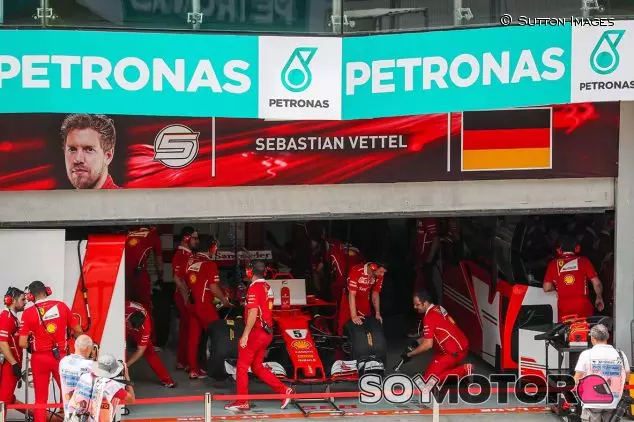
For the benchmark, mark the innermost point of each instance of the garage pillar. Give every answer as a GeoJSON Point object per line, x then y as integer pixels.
{"type": "Point", "coordinates": [624, 248]}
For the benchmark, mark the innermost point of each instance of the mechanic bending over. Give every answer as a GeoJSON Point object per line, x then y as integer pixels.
{"type": "Point", "coordinates": [607, 362]}
{"type": "Point", "coordinates": [569, 273]}
{"type": "Point", "coordinates": [364, 281]}
{"type": "Point", "coordinates": [258, 333]}
{"type": "Point", "coordinates": [203, 280]}
{"type": "Point", "coordinates": [138, 327]}
{"type": "Point", "coordinates": [441, 333]}
{"type": "Point", "coordinates": [11, 369]}
{"type": "Point", "coordinates": [189, 242]}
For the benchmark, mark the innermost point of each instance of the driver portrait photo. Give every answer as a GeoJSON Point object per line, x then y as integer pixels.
{"type": "Point", "coordinates": [89, 141]}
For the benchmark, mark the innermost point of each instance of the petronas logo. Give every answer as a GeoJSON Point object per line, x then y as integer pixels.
{"type": "Point", "coordinates": [605, 56]}
{"type": "Point", "coordinates": [296, 74]}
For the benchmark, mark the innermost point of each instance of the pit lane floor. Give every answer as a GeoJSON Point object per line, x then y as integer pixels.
{"type": "Point", "coordinates": [147, 386]}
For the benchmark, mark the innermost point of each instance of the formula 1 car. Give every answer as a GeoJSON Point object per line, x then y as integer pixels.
{"type": "Point", "coordinates": [303, 350]}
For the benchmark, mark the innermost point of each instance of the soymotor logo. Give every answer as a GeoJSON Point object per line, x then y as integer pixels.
{"type": "Point", "coordinates": [296, 75]}
{"type": "Point", "coordinates": [478, 389]}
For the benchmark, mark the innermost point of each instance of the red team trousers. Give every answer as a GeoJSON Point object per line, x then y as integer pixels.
{"type": "Point", "coordinates": [253, 356]}
{"type": "Point", "coordinates": [8, 382]}
{"type": "Point", "coordinates": [183, 328]}
{"type": "Point", "coordinates": [155, 362]}
{"type": "Point", "coordinates": [443, 365]}
{"type": "Point", "coordinates": [200, 316]}
{"type": "Point", "coordinates": [43, 365]}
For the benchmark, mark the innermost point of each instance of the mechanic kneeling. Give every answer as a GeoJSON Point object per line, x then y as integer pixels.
{"type": "Point", "coordinates": [441, 333]}
{"type": "Point", "coordinates": [568, 274]}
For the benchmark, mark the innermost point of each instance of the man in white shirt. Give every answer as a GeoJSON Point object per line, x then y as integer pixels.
{"type": "Point", "coordinates": [608, 363]}
{"type": "Point", "coordinates": [72, 367]}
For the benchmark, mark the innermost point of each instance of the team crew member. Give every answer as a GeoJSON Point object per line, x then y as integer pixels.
{"type": "Point", "coordinates": [180, 262]}
{"type": "Point", "coordinates": [204, 283]}
{"type": "Point", "coordinates": [140, 243]}
{"type": "Point", "coordinates": [11, 369]}
{"type": "Point", "coordinates": [426, 245]}
{"type": "Point", "coordinates": [44, 330]}
{"type": "Point", "coordinates": [100, 392]}
{"type": "Point", "coordinates": [258, 333]}
{"type": "Point", "coordinates": [73, 366]}
{"type": "Point", "coordinates": [139, 328]}
{"type": "Point", "coordinates": [569, 274]}
{"type": "Point", "coordinates": [441, 333]}
{"type": "Point", "coordinates": [342, 258]}
{"type": "Point", "coordinates": [365, 282]}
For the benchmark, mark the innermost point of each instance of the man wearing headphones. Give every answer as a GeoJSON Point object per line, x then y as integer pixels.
{"type": "Point", "coordinates": [44, 331]}
{"type": "Point", "coordinates": [365, 282]}
{"type": "Point", "coordinates": [258, 333]}
{"type": "Point", "coordinates": [203, 280]}
{"type": "Point", "coordinates": [569, 273]}
{"type": "Point", "coordinates": [11, 369]}
{"type": "Point", "coordinates": [180, 262]}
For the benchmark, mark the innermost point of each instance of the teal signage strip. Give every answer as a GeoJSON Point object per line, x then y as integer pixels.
{"type": "Point", "coordinates": [459, 70]}
{"type": "Point", "coordinates": [295, 78]}
{"type": "Point", "coordinates": [128, 73]}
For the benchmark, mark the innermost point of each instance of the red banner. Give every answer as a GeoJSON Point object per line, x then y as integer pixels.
{"type": "Point", "coordinates": [54, 151]}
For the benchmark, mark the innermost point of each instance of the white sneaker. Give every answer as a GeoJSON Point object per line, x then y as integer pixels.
{"type": "Point", "coordinates": [287, 400]}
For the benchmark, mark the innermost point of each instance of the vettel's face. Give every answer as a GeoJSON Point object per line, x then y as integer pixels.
{"type": "Point", "coordinates": [86, 162]}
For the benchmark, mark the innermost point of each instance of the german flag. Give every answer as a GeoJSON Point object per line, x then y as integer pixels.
{"type": "Point", "coordinates": [507, 139]}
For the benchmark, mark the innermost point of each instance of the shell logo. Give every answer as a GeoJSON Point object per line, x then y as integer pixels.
{"type": "Point", "coordinates": [300, 345]}
{"type": "Point", "coordinates": [192, 278]}
{"type": "Point", "coordinates": [133, 242]}
{"type": "Point", "coordinates": [569, 279]}
{"type": "Point", "coordinates": [51, 328]}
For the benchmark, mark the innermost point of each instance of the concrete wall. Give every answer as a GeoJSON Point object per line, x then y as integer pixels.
{"type": "Point", "coordinates": [624, 264]}
{"type": "Point", "coordinates": [303, 202]}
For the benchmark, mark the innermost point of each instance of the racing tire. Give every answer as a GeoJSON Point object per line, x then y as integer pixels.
{"type": "Point", "coordinates": [367, 340]}
{"type": "Point", "coordinates": [223, 344]}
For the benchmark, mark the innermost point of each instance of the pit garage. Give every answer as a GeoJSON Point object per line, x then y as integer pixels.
{"type": "Point", "coordinates": [486, 220]}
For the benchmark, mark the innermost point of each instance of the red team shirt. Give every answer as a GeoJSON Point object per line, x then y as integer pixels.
{"type": "Point", "coordinates": [56, 320]}
{"type": "Point", "coordinates": [361, 282]}
{"type": "Point", "coordinates": [138, 246]}
{"type": "Point", "coordinates": [570, 274]}
{"type": "Point", "coordinates": [342, 261]}
{"type": "Point", "coordinates": [260, 296]}
{"type": "Point", "coordinates": [442, 329]}
{"type": "Point", "coordinates": [142, 335]}
{"type": "Point", "coordinates": [180, 262]}
{"type": "Point", "coordinates": [202, 273]}
{"type": "Point", "coordinates": [9, 325]}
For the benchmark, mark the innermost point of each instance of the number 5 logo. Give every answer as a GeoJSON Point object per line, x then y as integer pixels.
{"type": "Point", "coordinates": [176, 146]}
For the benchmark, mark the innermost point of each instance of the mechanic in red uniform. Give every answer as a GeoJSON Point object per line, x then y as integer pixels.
{"type": "Point", "coordinates": [11, 369]}
{"type": "Point", "coordinates": [426, 245]}
{"type": "Point", "coordinates": [139, 244]}
{"type": "Point", "coordinates": [180, 262]}
{"type": "Point", "coordinates": [340, 258]}
{"type": "Point", "coordinates": [203, 280]}
{"type": "Point", "coordinates": [44, 330]}
{"type": "Point", "coordinates": [569, 274]}
{"type": "Point", "coordinates": [363, 292]}
{"type": "Point", "coordinates": [139, 328]}
{"type": "Point", "coordinates": [258, 333]}
{"type": "Point", "coordinates": [441, 333]}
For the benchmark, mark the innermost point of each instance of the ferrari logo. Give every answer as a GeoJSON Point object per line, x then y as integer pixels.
{"type": "Point", "coordinates": [560, 263]}
{"type": "Point", "coordinates": [300, 345]}
{"type": "Point", "coordinates": [133, 242]}
{"type": "Point", "coordinates": [42, 311]}
{"type": "Point", "coordinates": [192, 278]}
{"type": "Point", "coordinates": [569, 279]}
{"type": "Point", "coordinates": [51, 328]}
